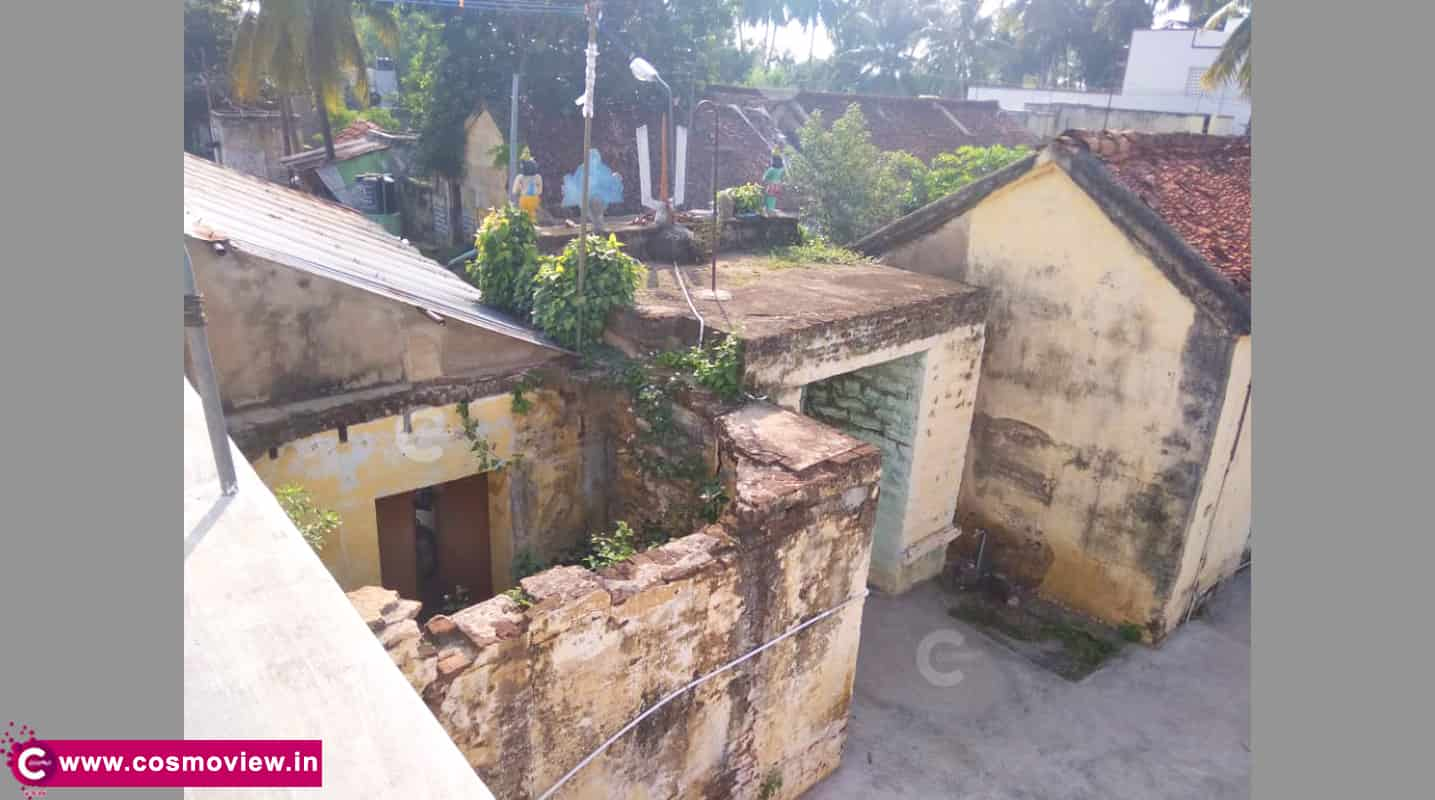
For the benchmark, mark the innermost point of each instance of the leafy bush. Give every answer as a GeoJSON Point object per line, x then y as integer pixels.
{"type": "Point", "coordinates": [314, 524]}
{"type": "Point", "coordinates": [519, 596]}
{"type": "Point", "coordinates": [815, 249]}
{"type": "Point", "coordinates": [715, 367]}
{"type": "Point", "coordinates": [612, 548]}
{"type": "Point", "coordinates": [849, 187]}
{"type": "Point", "coordinates": [714, 499]}
{"type": "Point", "coordinates": [951, 171]}
{"type": "Point", "coordinates": [612, 279]}
{"type": "Point", "coordinates": [746, 199]}
{"type": "Point", "coordinates": [506, 262]}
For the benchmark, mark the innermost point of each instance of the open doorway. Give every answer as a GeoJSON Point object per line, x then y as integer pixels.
{"type": "Point", "coordinates": [878, 405]}
{"type": "Point", "coordinates": [435, 545]}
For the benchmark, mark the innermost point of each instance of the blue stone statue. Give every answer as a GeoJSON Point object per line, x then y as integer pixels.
{"type": "Point", "coordinates": [605, 187]}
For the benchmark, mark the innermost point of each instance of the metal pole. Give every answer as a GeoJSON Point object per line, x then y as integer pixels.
{"type": "Point", "coordinates": [672, 118]}
{"type": "Point", "coordinates": [717, 224]}
{"type": "Point", "coordinates": [591, 9]}
{"type": "Point", "coordinates": [208, 387]}
{"type": "Point", "coordinates": [513, 137]}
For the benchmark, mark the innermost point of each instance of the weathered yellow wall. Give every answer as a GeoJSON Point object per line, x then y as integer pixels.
{"type": "Point", "coordinates": [527, 692]}
{"type": "Point", "coordinates": [279, 335]}
{"type": "Point", "coordinates": [1221, 527]}
{"type": "Point", "coordinates": [1099, 391]}
{"type": "Point", "coordinates": [536, 503]}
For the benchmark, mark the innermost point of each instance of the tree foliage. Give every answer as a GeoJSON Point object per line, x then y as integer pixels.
{"type": "Point", "coordinates": [849, 187]}
{"type": "Point", "coordinates": [951, 171]}
{"type": "Point", "coordinates": [478, 54]}
{"type": "Point", "coordinates": [315, 524]}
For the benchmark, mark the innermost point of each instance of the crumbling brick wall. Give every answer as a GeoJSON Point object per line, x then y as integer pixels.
{"type": "Point", "coordinates": [527, 692]}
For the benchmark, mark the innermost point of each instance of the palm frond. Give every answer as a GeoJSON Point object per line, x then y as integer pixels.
{"type": "Point", "coordinates": [1218, 17]}
{"type": "Point", "coordinates": [1233, 63]}
{"type": "Point", "coordinates": [244, 69]}
{"type": "Point", "coordinates": [350, 55]}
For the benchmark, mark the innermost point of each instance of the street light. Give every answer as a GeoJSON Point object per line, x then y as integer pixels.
{"type": "Point", "coordinates": [647, 73]}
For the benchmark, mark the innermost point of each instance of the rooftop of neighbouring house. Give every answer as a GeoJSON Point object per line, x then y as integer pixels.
{"type": "Point", "coordinates": [361, 137]}
{"type": "Point", "coordinates": [325, 239]}
{"type": "Point", "coordinates": [923, 126]}
{"type": "Point", "coordinates": [772, 300]}
{"type": "Point", "coordinates": [1199, 185]}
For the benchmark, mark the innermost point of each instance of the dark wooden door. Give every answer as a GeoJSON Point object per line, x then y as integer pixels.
{"type": "Point", "coordinates": [398, 565]}
{"type": "Point", "coordinates": [464, 550]}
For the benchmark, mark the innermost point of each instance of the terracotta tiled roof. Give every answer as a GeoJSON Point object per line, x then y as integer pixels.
{"type": "Point", "coordinates": [923, 126]}
{"type": "Point", "coordinates": [358, 129]}
{"type": "Point", "coordinates": [1199, 185]}
{"type": "Point", "coordinates": [913, 124]}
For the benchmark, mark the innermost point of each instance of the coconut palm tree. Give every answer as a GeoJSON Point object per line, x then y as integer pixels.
{"type": "Point", "coordinates": [961, 46]}
{"type": "Point", "coordinates": [1233, 63]}
{"type": "Point", "coordinates": [877, 43]}
{"type": "Point", "coordinates": [306, 46]}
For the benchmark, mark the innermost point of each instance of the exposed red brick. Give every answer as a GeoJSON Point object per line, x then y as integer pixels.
{"type": "Point", "coordinates": [1199, 185]}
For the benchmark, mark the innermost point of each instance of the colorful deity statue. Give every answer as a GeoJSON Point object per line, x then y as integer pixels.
{"type": "Point", "coordinates": [528, 187]}
{"type": "Point", "coordinates": [772, 184]}
{"type": "Point", "coordinates": [605, 188]}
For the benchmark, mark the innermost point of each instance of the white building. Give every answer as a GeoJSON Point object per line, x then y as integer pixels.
{"type": "Point", "coordinates": [384, 80]}
{"type": "Point", "coordinates": [1163, 74]}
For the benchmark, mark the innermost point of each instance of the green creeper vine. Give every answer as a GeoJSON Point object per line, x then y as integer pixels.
{"type": "Point", "coordinates": [483, 450]}
{"type": "Point", "coordinates": [521, 404]}
{"type": "Point", "coordinates": [717, 368]}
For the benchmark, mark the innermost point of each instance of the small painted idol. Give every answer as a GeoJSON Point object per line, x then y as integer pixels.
{"type": "Point", "coordinates": [772, 185]}
{"type": "Point", "coordinates": [528, 187]}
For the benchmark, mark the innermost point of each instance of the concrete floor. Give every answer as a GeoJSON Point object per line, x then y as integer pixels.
{"type": "Point", "coordinates": [1167, 723]}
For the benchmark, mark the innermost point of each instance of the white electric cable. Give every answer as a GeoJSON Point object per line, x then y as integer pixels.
{"type": "Point", "coordinates": [725, 667]}
{"type": "Point", "coordinates": [681, 285]}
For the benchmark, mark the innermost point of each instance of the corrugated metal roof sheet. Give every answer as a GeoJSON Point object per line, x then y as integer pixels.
{"type": "Point", "coordinates": [329, 240]}
{"type": "Point", "coordinates": [343, 151]}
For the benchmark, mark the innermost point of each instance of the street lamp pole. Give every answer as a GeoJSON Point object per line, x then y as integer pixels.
{"type": "Point", "coordinates": [647, 73]}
